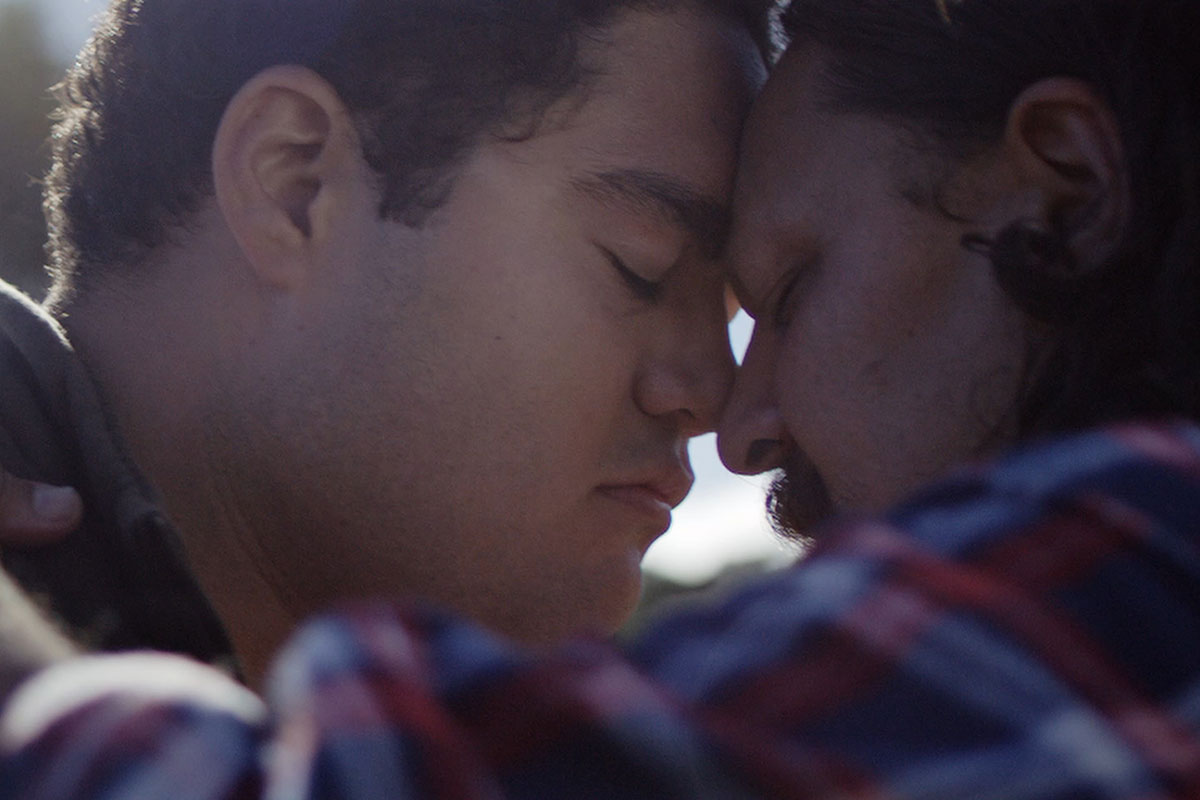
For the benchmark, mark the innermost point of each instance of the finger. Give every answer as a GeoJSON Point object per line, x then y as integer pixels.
{"type": "Point", "coordinates": [34, 513]}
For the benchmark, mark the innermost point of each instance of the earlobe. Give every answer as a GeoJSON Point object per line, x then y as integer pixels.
{"type": "Point", "coordinates": [1068, 143]}
{"type": "Point", "coordinates": [284, 142]}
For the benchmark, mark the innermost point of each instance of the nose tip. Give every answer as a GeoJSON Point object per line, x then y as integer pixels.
{"type": "Point", "coordinates": [712, 389]}
{"type": "Point", "coordinates": [751, 436]}
{"type": "Point", "coordinates": [764, 454]}
{"type": "Point", "coordinates": [689, 394]}
{"type": "Point", "coordinates": [744, 453]}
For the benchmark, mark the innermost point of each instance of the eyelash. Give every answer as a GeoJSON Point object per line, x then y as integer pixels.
{"type": "Point", "coordinates": [647, 290]}
{"type": "Point", "coordinates": [782, 311]}
{"type": "Point", "coordinates": [779, 313]}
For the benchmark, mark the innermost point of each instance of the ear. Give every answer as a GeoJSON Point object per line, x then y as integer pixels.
{"type": "Point", "coordinates": [284, 158]}
{"type": "Point", "coordinates": [1067, 145]}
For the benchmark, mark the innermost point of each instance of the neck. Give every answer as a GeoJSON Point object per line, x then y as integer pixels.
{"type": "Point", "coordinates": [155, 354]}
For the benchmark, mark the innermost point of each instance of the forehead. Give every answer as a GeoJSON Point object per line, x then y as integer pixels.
{"type": "Point", "coordinates": [807, 173]}
{"type": "Point", "coordinates": [669, 97]}
{"type": "Point", "coordinates": [793, 151]}
{"type": "Point", "coordinates": [799, 149]}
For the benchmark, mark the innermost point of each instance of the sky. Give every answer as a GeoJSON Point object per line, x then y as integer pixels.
{"type": "Point", "coordinates": [68, 23]}
{"type": "Point", "coordinates": [721, 522]}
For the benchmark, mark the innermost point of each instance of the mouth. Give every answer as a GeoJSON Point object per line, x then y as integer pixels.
{"type": "Point", "coordinates": [652, 499]}
{"type": "Point", "coordinates": [643, 502]}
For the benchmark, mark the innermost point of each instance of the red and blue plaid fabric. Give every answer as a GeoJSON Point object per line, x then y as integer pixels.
{"type": "Point", "coordinates": [1028, 629]}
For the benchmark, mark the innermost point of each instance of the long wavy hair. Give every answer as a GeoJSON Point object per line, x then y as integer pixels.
{"type": "Point", "coordinates": [951, 69]}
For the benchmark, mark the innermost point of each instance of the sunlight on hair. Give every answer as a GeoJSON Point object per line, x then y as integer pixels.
{"type": "Point", "coordinates": [944, 7]}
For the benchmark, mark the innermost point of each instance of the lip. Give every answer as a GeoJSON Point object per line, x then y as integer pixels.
{"type": "Point", "coordinates": [653, 498]}
{"type": "Point", "coordinates": [644, 502]}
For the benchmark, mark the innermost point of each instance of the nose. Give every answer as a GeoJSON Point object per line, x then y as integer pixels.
{"type": "Point", "coordinates": [751, 437]}
{"type": "Point", "coordinates": [688, 380]}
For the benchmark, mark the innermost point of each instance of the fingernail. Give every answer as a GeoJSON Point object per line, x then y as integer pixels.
{"type": "Point", "coordinates": [53, 502]}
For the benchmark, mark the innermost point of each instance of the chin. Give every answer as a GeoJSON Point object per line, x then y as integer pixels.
{"type": "Point", "coordinates": [597, 613]}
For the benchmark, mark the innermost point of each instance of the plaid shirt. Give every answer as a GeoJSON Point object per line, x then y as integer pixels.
{"type": "Point", "coordinates": [1029, 629]}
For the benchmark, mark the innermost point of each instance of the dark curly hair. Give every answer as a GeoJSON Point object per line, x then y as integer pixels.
{"type": "Point", "coordinates": [424, 80]}
{"type": "Point", "coordinates": [951, 70]}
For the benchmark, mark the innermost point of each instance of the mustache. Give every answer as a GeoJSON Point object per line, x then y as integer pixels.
{"type": "Point", "coordinates": [797, 501]}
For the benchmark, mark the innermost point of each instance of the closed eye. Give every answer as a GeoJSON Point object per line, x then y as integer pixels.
{"type": "Point", "coordinates": [785, 300]}
{"type": "Point", "coordinates": [779, 312]}
{"type": "Point", "coordinates": [646, 289]}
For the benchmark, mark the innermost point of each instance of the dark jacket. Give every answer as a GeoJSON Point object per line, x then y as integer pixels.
{"type": "Point", "coordinates": [121, 580]}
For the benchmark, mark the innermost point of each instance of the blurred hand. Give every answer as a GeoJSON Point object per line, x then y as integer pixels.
{"type": "Point", "coordinates": [33, 514]}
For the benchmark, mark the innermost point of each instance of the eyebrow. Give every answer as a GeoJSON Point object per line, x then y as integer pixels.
{"type": "Point", "coordinates": [665, 197]}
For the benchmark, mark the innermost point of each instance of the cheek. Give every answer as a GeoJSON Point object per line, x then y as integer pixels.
{"type": "Point", "coordinates": [841, 345]}
{"type": "Point", "coordinates": [905, 309]}
{"type": "Point", "coordinates": [992, 364]}
{"type": "Point", "coordinates": [898, 368]}
{"type": "Point", "coordinates": [814, 384]}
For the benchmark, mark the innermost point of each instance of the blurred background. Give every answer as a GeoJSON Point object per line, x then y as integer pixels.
{"type": "Point", "coordinates": [719, 533]}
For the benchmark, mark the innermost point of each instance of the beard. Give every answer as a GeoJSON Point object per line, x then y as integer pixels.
{"type": "Point", "coordinates": [797, 501]}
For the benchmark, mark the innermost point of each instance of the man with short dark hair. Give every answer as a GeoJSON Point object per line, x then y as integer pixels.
{"type": "Point", "coordinates": [388, 297]}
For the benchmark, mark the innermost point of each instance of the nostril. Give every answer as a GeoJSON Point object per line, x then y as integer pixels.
{"type": "Point", "coordinates": [761, 453]}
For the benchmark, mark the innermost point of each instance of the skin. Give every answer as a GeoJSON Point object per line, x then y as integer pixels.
{"type": "Point", "coordinates": [33, 514]}
{"type": "Point", "coordinates": [487, 411]}
{"type": "Point", "coordinates": [884, 351]}
{"type": "Point", "coordinates": [902, 353]}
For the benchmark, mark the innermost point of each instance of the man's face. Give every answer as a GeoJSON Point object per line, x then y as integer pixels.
{"type": "Point", "coordinates": [496, 405]}
{"type": "Point", "coordinates": [883, 351]}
